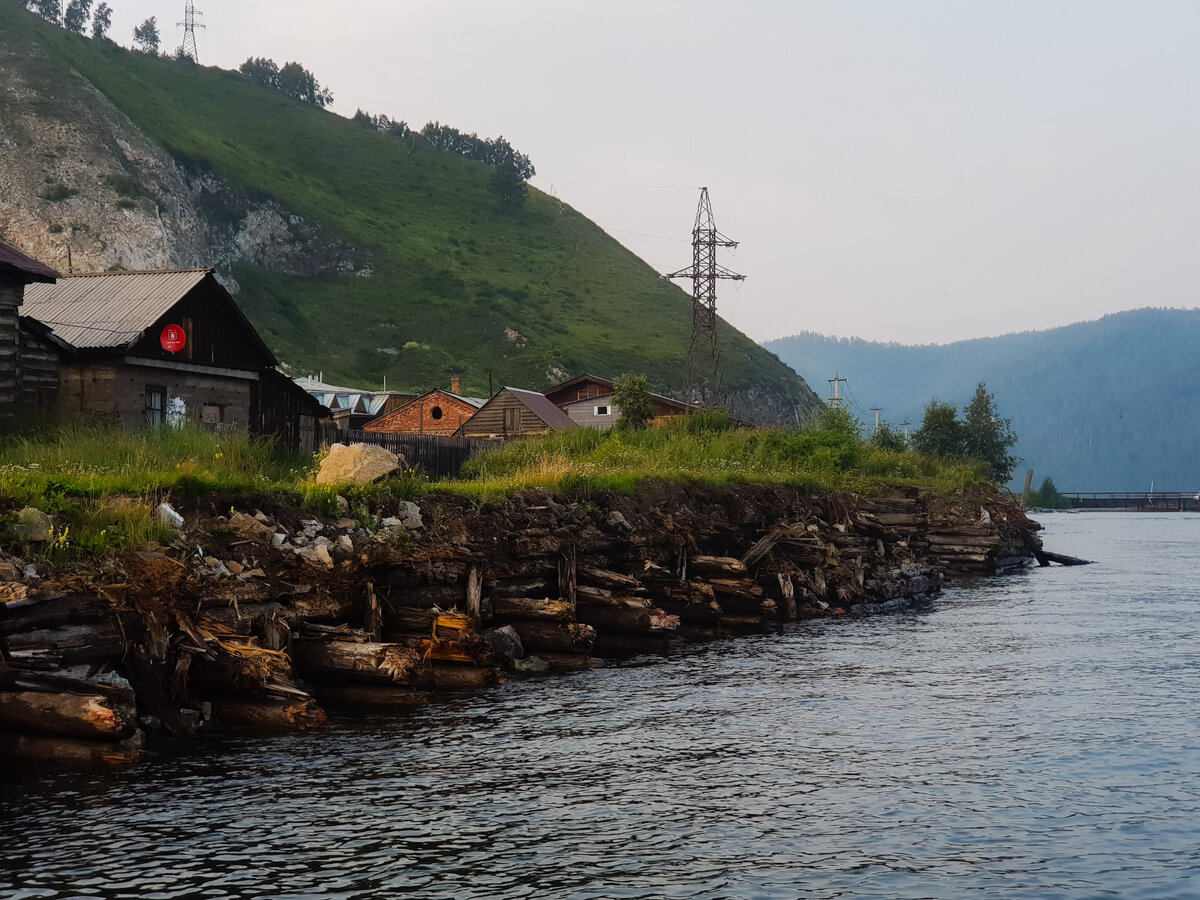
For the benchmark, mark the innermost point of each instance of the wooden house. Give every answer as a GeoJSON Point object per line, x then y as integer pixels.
{"type": "Point", "coordinates": [28, 380]}
{"type": "Point", "coordinates": [166, 347]}
{"type": "Point", "coordinates": [435, 412]}
{"type": "Point", "coordinates": [515, 413]}
{"type": "Point", "coordinates": [587, 400]}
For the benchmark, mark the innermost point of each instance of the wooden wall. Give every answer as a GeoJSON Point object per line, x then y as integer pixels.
{"type": "Point", "coordinates": [38, 375]}
{"type": "Point", "coordinates": [118, 389]}
{"type": "Point", "coordinates": [504, 416]}
{"type": "Point", "coordinates": [10, 349]}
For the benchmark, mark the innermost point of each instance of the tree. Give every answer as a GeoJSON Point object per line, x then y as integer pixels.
{"type": "Point", "coordinates": [888, 438]}
{"type": "Point", "coordinates": [296, 81]}
{"type": "Point", "coordinates": [1048, 497]}
{"type": "Point", "coordinates": [47, 9]}
{"type": "Point", "coordinates": [262, 70]}
{"type": "Point", "coordinates": [146, 35]}
{"type": "Point", "coordinates": [941, 433]}
{"type": "Point", "coordinates": [76, 16]}
{"type": "Point", "coordinates": [987, 436]}
{"type": "Point", "coordinates": [509, 187]}
{"type": "Point", "coordinates": [101, 21]}
{"type": "Point", "coordinates": [631, 395]}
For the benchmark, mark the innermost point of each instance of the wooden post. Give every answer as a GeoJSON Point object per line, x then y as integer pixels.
{"type": "Point", "coordinates": [474, 592]}
{"type": "Point", "coordinates": [1028, 485]}
{"type": "Point", "coordinates": [373, 624]}
{"type": "Point", "coordinates": [567, 576]}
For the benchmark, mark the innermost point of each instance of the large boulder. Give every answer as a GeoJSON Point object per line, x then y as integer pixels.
{"type": "Point", "coordinates": [358, 463]}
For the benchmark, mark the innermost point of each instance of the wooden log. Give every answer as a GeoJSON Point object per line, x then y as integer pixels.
{"type": "Point", "coordinates": [555, 637]}
{"type": "Point", "coordinates": [568, 662]}
{"type": "Point", "coordinates": [520, 587]}
{"type": "Point", "coordinates": [472, 650]}
{"type": "Point", "coordinates": [1063, 560]}
{"type": "Point", "coordinates": [71, 751]}
{"type": "Point", "coordinates": [455, 678]}
{"type": "Point", "coordinates": [529, 608]}
{"type": "Point", "coordinates": [86, 716]}
{"type": "Point", "coordinates": [62, 637]}
{"type": "Point", "coordinates": [410, 620]}
{"type": "Point", "coordinates": [736, 623]}
{"type": "Point", "coordinates": [443, 596]}
{"type": "Point", "coordinates": [615, 618]}
{"type": "Point", "coordinates": [585, 596]}
{"type": "Point", "coordinates": [52, 612]}
{"type": "Point", "coordinates": [746, 588]}
{"type": "Point", "coordinates": [617, 643]}
{"type": "Point", "coordinates": [365, 661]}
{"type": "Point", "coordinates": [267, 715]}
{"type": "Point", "coordinates": [613, 581]}
{"type": "Point", "coordinates": [716, 565]}
{"type": "Point", "coordinates": [374, 695]}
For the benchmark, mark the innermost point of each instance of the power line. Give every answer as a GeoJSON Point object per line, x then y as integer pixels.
{"type": "Point", "coordinates": [654, 187]}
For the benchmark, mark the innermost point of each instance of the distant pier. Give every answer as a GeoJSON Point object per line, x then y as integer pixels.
{"type": "Point", "coordinates": [1136, 501]}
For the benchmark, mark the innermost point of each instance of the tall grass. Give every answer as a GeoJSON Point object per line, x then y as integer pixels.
{"type": "Point", "coordinates": [815, 457]}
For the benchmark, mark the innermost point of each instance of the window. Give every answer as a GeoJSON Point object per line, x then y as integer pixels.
{"type": "Point", "coordinates": [212, 414]}
{"type": "Point", "coordinates": [435, 413]}
{"type": "Point", "coordinates": [156, 405]}
{"type": "Point", "coordinates": [603, 411]}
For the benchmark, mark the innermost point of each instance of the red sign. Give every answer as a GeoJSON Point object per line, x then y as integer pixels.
{"type": "Point", "coordinates": [173, 338]}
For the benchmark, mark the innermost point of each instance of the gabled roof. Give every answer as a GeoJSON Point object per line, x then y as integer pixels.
{"type": "Point", "coordinates": [540, 406]}
{"type": "Point", "coordinates": [16, 266]}
{"type": "Point", "coordinates": [578, 379]}
{"type": "Point", "coordinates": [108, 310]}
{"type": "Point", "coordinates": [606, 383]}
{"type": "Point", "coordinates": [357, 400]}
{"type": "Point", "coordinates": [473, 402]}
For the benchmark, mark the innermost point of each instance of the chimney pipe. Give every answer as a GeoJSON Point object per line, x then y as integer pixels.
{"type": "Point", "coordinates": [455, 385]}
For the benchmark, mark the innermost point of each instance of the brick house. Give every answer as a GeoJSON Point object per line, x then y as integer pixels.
{"type": "Point", "coordinates": [435, 412]}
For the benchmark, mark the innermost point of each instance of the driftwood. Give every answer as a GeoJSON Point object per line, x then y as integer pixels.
{"type": "Point", "coordinates": [529, 608]}
{"type": "Point", "coordinates": [437, 677]}
{"type": "Point", "coordinates": [262, 714]}
{"type": "Point", "coordinates": [354, 661]}
{"type": "Point", "coordinates": [716, 565]}
{"type": "Point", "coordinates": [555, 637]}
{"type": "Point", "coordinates": [70, 751]}
{"type": "Point", "coordinates": [627, 618]}
{"type": "Point", "coordinates": [52, 612]}
{"type": "Point", "coordinates": [370, 695]}
{"type": "Point", "coordinates": [568, 662]}
{"type": "Point", "coordinates": [590, 596]}
{"type": "Point", "coordinates": [87, 716]}
{"type": "Point", "coordinates": [613, 581]}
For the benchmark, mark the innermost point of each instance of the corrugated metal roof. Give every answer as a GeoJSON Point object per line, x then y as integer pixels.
{"type": "Point", "coordinates": [540, 406]}
{"type": "Point", "coordinates": [13, 260]}
{"type": "Point", "coordinates": [107, 309]}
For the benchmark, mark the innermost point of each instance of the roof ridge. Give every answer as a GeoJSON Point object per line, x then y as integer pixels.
{"type": "Point", "coordinates": [136, 272]}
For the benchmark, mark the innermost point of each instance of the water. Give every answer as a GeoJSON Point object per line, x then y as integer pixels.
{"type": "Point", "coordinates": [1034, 736]}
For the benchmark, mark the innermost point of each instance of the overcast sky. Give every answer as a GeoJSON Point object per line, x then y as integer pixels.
{"type": "Point", "coordinates": [909, 171]}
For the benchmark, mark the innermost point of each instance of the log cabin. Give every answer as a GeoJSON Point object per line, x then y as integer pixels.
{"type": "Point", "coordinates": [515, 413]}
{"type": "Point", "coordinates": [164, 347]}
{"type": "Point", "coordinates": [27, 359]}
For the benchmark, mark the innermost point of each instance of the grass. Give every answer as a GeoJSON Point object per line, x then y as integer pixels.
{"type": "Point", "coordinates": [452, 272]}
{"type": "Point", "coordinates": [101, 484]}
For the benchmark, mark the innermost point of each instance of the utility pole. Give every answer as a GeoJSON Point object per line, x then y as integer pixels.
{"type": "Point", "coordinates": [189, 30]}
{"type": "Point", "coordinates": [704, 358]}
{"type": "Point", "coordinates": [835, 401]}
{"type": "Point", "coordinates": [877, 410]}
{"type": "Point", "coordinates": [905, 424]}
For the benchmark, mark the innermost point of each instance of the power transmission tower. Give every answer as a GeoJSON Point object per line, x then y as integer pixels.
{"type": "Point", "coordinates": [190, 25]}
{"type": "Point", "coordinates": [877, 410]}
{"type": "Point", "coordinates": [703, 379]}
{"type": "Point", "coordinates": [836, 400]}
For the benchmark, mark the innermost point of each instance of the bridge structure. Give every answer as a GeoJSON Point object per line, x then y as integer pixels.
{"type": "Point", "coordinates": [1135, 501]}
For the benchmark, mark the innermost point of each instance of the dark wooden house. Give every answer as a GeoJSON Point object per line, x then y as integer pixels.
{"type": "Point", "coordinates": [114, 332]}
{"type": "Point", "coordinates": [515, 413]}
{"type": "Point", "coordinates": [27, 358]}
{"type": "Point", "coordinates": [587, 400]}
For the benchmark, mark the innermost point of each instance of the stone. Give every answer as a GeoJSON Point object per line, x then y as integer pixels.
{"type": "Point", "coordinates": [504, 644]}
{"type": "Point", "coordinates": [346, 524]}
{"type": "Point", "coordinates": [251, 529]}
{"type": "Point", "coordinates": [357, 463]}
{"type": "Point", "coordinates": [343, 505]}
{"type": "Point", "coordinates": [344, 544]}
{"type": "Point", "coordinates": [389, 522]}
{"type": "Point", "coordinates": [8, 571]}
{"type": "Point", "coordinates": [36, 524]}
{"type": "Point", "coordinates": [616, 520]}
{"type": "Point", "coordinates": [317, 556]}
{"type": "Point", "coordinates": [167, 515]}
{"type": "Point", "coordinates": [234, 566]}
{"type": "Point", "coordinates": [412, 522]}
{"type": "Point", "coordinates": [530, 665]}
{"type": "Point", "coordinates": [277, 539]}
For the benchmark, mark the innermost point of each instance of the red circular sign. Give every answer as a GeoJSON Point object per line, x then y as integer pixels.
{"type": "Point", "coordinates": [173, 338]}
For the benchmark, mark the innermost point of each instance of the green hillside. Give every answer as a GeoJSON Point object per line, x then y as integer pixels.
{"type": "Point", "coordinates": [458, 287]}
{"type": "Point", "coordinates": [1109, 405]}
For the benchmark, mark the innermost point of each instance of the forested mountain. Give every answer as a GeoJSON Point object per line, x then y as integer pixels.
{"type": "Point", "coordinates": [1109, 405]}
{"type": "Point", "coordinates": [361, 252]}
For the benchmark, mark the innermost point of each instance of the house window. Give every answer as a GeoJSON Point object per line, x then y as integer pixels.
{"type": "Point", "coordinates": [156, 406]}
{"type": "Point", "coordinates": [603, 411]}
{"type": "Point", "coordinates": [435, 413]}
{"type": "Point", "coordinates": [212, 414]}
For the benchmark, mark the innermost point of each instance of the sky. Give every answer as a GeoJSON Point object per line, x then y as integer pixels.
{"type": "Point", "coordinates": [918, 172]}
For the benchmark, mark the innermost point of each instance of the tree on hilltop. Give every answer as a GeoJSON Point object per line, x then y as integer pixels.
{"type": "Point", "coordinates": [47, 9]}
{"type": "Point", "coordinates": [146, 36]}
{"type": "Point", "coordinates": [76, 16]}
{"type": "Point", "coordinates": [941, 432]}
{"type": "Point", "coordinates": [981, 435]}
{"type": "Point", "coordinates": [292, 79]}
{"type": "Point", "coordinates": [509, 187]}
{"type": "Point", "coordinates": [101, 22]}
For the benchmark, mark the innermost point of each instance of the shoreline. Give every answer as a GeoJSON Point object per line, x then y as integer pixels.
{"type": "Point", "coordinates": [260, 616]}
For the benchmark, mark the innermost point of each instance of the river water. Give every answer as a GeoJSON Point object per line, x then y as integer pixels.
{"type": "Point", "coordinates": [1032, 736]}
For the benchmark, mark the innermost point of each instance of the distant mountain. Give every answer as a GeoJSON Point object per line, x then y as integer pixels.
{"type": "Point", "coordinates": [1109, 405]}
{"type": "Point", "coordinates": [358, 254]}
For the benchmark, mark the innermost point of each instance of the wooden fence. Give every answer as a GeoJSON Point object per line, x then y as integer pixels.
{"type": "Point", "coordinates": [439, 456]}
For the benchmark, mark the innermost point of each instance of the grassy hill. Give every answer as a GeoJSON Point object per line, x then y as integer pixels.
{"type": "Point", "coordinates": [1109, 405]}
{"type": "Point", "coordinates": [458, 287]}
